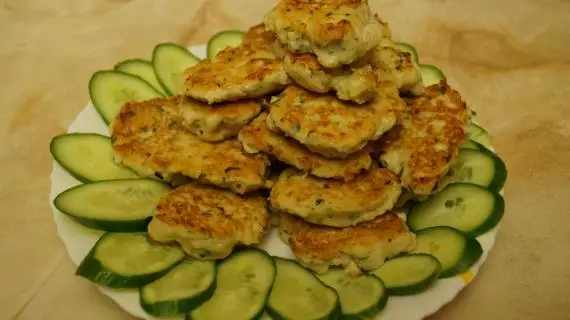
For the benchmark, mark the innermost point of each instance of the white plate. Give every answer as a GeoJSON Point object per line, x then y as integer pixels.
{"type": "Point", "coordinates": [78, 240]}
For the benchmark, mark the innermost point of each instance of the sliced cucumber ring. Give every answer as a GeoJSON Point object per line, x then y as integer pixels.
{"type": "Point", "coordinates": [464, 206]}
{"type": "Point", "coordinates": [181, 290]}
{"type": "Point", "coordinates": [361, 297]}
{"type": "Point", "coordinates": [222, 40]}
{"type": "Point", "coordinates": [431, 74]}
{"type": "Point", "coordinates": [409, 274]}
{"type": "Point", "coordinates": [110, 90]}
{"type": "Point", "coordinates": [452, 248]}
{"type": "Point", "coordinates": [112, 205]}
{"type": "Point", "coordinates": [141, 68]}
{"type": "Point", "coordinates": [169, 61]}
{"type": "Point", "coordinates": [88, 157]}
{"type": "Point", "coordinates": [480, 135]}
{"type": "Point", "coordinates": [298, 294]}
{"type": "Point", "coordinates": [128, 260]}
{"type": "Point", "coordinates": [406, 47]}
{"type": "Point", "coordinates": [481, 167]}
{"type": "Point", "coordinates": [244, 281]}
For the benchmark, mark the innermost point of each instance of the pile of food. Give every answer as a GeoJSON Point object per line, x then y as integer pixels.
{"type": "Point", "coordinates": [314, 122]}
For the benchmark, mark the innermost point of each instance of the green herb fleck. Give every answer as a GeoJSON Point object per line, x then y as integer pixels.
{"type": "Point", "coordinates": [318, 201]}
{"type": "Point", "coordinates": [296, 127]}
{"type": "Point", "coordinates": [353, 216]}
{"type": "Point", "coordinates": [458, 201]}
{"type": "Point", "coordinates": [207, 213]}
{"type": "Point", "coordinates": [449, 203]}
{"type": "Point", "coordinates": [205, 253]}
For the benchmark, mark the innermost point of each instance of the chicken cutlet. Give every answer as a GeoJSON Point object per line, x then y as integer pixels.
{"type": "Point", "coordinates": [149, 140]}
{"type": "Point", "coordinates": [215, 122]}
{"type": "Point", "coordinates": [338, 32]}
{"type": "Point", "coordinates": [256, 137]}
{"type": "Point", "coordinates": [250, 70]}
{"type": "Point", "coordinates": [357, 248]}
{"type": "Point", "coordinates": [355, 82]}
{"type": "Point", "coordinates": [207, 221]}
{"type": "Point", "coordinates": [331, 127]}
{"type": "Point", "coordinates": [336, 203]}
{"type": "Point", "coordinates": [423, 147]}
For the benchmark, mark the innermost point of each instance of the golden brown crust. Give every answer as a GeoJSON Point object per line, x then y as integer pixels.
{"type": "Point", "coordinates": [148, 139]}
{"type": "Point", "coordinates": [423, 148]}
{"type": "Point", "coordinates": [336, 203]}
{"type": "Point", "coordinates": [249, 70]}
{"type": "Point", "coordinates": [332, 127]}
{"type": "Point", "coordinates": [367, 243]}
{"type": "Point", "coordinates": [258, 137]}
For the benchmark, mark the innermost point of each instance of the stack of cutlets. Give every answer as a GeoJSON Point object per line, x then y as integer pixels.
{"type": "Point", "coordinates": [316, 90]}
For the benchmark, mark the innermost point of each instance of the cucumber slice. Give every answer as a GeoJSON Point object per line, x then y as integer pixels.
{"type": "Point", "coordinates": [110, 90]}
{"type": "Point", "coordinates": [409, 274]}
{"type": "Point", "coordinates": [361, 297]}
{"type": "Point", "coordinates": [480, 135]}
{"type": "Point", "coordinates": [431, 74]}
{"type": "Point", "coordinates": [464, 206]}
{"type": "Point", "coordinates": [470, 144]}
{"type": "Point", "coordinates": [112, 205]}
{"type": "Point", "coordinates": [481, 167]}
{"type": "Point", "coordinates": [406, 47]}
{"type": "Point", "coordinates": [169, 61]}
{"type": "Point", "coordinates": [184, 288]}
{"type": "Point", "coordinates": [224, 39]}
{"type": "Point", "coordinates": [452, 248]}
{"type": "Point", "coordinates": [298, 294]}
{"type": "Point", "coordinates": [141, 68]}
{"type": "Point", "coordinates": [88, 157]}
{"type": "Point", "coordinates": [128, 260]}
{"type": "Point", "coordinates": [243, 285]}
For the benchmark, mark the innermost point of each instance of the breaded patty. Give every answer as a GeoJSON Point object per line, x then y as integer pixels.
{"type": "Point", "coordinates": [250, 70]}
{"type": "Point", "coordinates": [149, 140]}
{"type": "Point", "coordinates": [216, 122]}
{"type": "Point", "coordinates": [426, 144]}
{"type": "Point", "coordinates": [256, 137]}
{"type": "Point", "coordinates": [364, 246]}
{"type": "Point", "coordinates": [336, 203]}
{"type": "Point", "coordinates": [331, 127]}
{"type": "Point", "coordinates": [338, 32]}
{"type": "Point", "coordinates": [395, 65]}
{"type": "Point", "coordinates": [355, 82]}
{"type": "Point", "coordinates": [207, 221]}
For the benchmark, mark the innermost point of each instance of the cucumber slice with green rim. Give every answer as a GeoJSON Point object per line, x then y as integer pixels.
{"type": "Point", "coordinates": [110, 90]}
{"type": "Point", "coordinates": [464, 206]}
{"type": "Point", "coordinates": [480, 135]}
{"type": "Point", "coordinates": [452, 248]}
{"type": "Point", "coordinates": [169, 61]}
{"type": "Point", "coordinates": [431, 74]}
{"type": "Point", "coordinates": [361, 297]}
{"type": "Point", "coordinates": [409, 274]}
{"type": "Point", "coordinates": [244, 281]}
{"type": "Point", "coordinates": [406, 47]}
{"type": "Point", "coordinates": [298, 294]}
{"type": "Point", "coordinates": [481, 167]}
{"type": "Point", "coordinates": [184, 288]}
{"type": "Point", "coordinates": [141, 68]}
{"type": "Point", "coordinates": [128, 260]}
{"type": "Point", "coordinates": [88, 157]}
{"type": "Point", "coordinates": [222, 40]}
{"type": "Point", "coordinates": [112, 205]}
{"type": "Point", "coordinates": [470, 144]}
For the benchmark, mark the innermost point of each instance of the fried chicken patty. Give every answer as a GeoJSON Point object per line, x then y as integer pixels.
{"type": "Point", "coordinates": [149, 140]}
{"type": "Point", "coordinates": [423, 147]}
{"type": "Point", "coordinates": [338, 32]}
{"type": "Point", "coordinates": [336, 203]}
{"type": "Point", "coordinates": [357, 248]}
{"type": "Point", "coordinates": [250, 70]}
{"type": "Point", "coordinates": [207, 221]}
{"type": "Point", "coordinates": [256, 137]}
{"type": "Point", "coordinates": [332, 127]}
{"type": "Point", "coordinates": [215, 122]}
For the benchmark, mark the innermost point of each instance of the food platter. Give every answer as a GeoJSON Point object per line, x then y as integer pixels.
{"type": "Point", "coordinates": [78, 241]}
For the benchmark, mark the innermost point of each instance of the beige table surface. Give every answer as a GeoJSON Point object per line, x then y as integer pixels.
{"type": "Point", "coordinates": [510, 59]}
